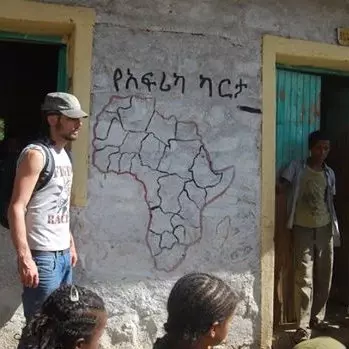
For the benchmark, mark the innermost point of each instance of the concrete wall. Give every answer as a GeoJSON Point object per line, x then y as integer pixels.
{"type": "Point", "coordinates": [174, 182]}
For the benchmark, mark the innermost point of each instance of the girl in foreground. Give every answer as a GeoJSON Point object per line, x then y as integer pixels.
{"type": "Point", "coordinates": [200, 308]}
{"type": "Point", "coordinates": [72, 317]}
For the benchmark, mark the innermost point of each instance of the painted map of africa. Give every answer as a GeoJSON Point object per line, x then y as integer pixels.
{"type": "Point", "coordinates": [169, 159]}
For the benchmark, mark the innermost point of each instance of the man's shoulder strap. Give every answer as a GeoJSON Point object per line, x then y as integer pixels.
{"type": "Point", "coordinates": [70, 155]}
{"type": "Point", "coordinates": [49, 166]}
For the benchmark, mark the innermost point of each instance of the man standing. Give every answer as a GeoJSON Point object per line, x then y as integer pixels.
{"type": "Point", "coordinates": [39, 219]}
{"type": "Point", "coordinates": [313, 221]}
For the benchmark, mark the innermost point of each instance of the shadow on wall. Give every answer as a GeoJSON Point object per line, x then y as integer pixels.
{"type": "Point", "coordinates": [191, 214]}
{"type": "Point", "coordinates": [138, 299]}
{"type": "Point", "coordinates": [136, 296]}
{"type": "Point", "coordinates": [10, 290]}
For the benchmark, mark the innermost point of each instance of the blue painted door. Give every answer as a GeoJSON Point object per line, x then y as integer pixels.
{"type": "Point", "coordinates": [298, 113]}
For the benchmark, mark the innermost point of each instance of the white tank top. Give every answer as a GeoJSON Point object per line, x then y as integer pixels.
{"type": "Point", "coordinates": [47, 216]}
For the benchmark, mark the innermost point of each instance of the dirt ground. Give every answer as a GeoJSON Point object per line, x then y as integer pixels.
{"type": "Point", "coordinates": [338, 319]}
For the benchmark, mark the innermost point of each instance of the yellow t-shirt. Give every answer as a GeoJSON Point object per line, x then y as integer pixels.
{"type": "Point", "coordinates": [311, 208]}
{"type": "Point", "coordinates": [320, 343]}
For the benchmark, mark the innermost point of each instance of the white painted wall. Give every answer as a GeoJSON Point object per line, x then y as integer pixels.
{"type": "Point", "coordinates": [165, 159]}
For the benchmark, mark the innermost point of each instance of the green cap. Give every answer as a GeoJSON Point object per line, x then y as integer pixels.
{"type": "Point", "coordinates": [64, 103]}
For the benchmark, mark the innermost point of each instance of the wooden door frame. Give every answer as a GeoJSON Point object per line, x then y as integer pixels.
{"type": "Point", "coordinates": [296, 53]}
{"type": "Point", "coordinates": [75, 26]}
{"type": "Point", "coordinates": [48, 40]}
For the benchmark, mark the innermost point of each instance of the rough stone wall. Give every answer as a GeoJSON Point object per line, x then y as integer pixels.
{"type": "Point", "coordinates": [174, 181]}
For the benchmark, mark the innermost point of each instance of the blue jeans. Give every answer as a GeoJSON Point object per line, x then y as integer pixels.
{"type": "Point", "coordinates": [54, 270]}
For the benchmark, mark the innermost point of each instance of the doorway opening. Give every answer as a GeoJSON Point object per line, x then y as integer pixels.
{"type": "Point", "coordinates": [29, 68]}
{"type": "Point", "coordinates": [308, 100]}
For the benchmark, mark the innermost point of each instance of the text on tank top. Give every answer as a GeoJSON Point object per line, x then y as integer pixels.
{"type": "Point", "coordinates": [48, 211]}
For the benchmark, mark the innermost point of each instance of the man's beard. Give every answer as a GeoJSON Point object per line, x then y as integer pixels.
{"type": "Point", "coordinates": [67, 137]}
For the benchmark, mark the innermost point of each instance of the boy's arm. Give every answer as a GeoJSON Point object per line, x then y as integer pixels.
{"type": "Point", "coordinates": [286, 177]}
{"type": "Point", "coordinates": [26, 178]}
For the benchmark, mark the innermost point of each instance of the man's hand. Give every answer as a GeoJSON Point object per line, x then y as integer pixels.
{"type": "Point", "coordinates": [73, 256]}
{"type": "Point", "coordinates": [28, 272]}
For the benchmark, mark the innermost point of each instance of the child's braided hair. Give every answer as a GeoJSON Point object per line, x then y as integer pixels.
{"type": "Point", "coordinates": [196, 302]}
{"type": "Point", "coordinates": [63, 319]}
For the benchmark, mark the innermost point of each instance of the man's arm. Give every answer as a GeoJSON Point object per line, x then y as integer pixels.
{"type": "Point", "coordinates": [26, 178]}
{"type": "Point", "coordinates": [73, 253]}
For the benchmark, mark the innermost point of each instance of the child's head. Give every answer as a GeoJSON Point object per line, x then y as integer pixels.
{"type": "Point", "coordinates": [319, 145]}
{"type": "Point", "coordinates": [72, 317]}
{"type": "Point", "coordinates": [200, 308]}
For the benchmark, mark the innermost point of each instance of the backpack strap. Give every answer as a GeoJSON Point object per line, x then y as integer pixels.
{"type": "Point", "coordinates": [70, 155]}
{"type": "Point", "coordinates": [48, 169]}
